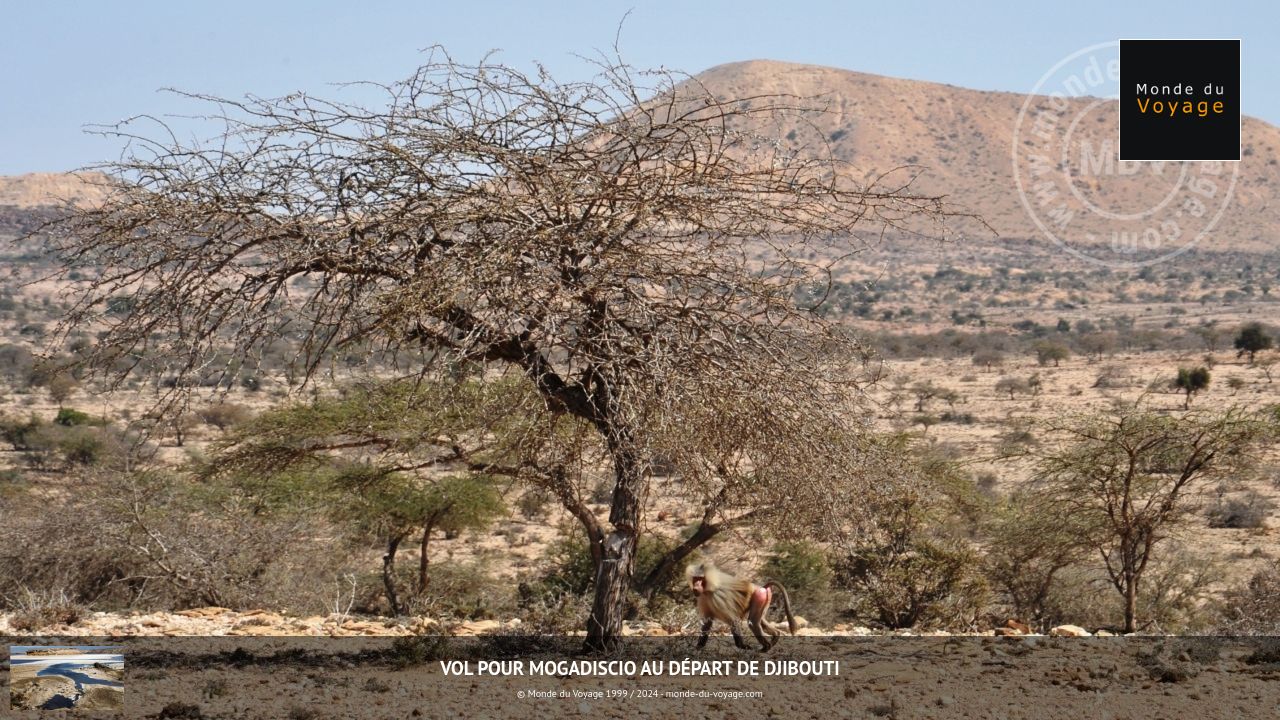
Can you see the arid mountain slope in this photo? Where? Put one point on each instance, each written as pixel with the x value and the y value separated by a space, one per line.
pixel 964 141
pixel 43 189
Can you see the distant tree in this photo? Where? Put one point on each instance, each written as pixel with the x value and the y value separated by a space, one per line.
pixel 925 420
pixel 1096 345
pixel 988 359
pixel 1064 325
pixel 181 424
pixel 61 387
pixel 1012 385
pixel 1251 340
pixel 1191 381
pixel 452 505
pixel 224 415
pixel 1129 473
pixel 1050 351
pixel 926 391
pixel 1210 336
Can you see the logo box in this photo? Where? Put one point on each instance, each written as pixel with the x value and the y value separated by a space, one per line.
pixel 1180 100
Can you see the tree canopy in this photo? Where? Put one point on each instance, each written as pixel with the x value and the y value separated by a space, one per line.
pixel 1251 340
pixel 1128 476
pixel 631 245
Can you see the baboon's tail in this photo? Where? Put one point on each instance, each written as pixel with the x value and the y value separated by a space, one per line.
pixel 786 604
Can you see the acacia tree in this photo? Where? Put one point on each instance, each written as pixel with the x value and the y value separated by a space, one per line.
pixel 1129 475
pixel 1191 381
pixel 391 506
pixel 1251 340
pixel 632 245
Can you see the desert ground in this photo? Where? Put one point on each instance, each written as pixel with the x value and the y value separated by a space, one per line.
pixel 1014 678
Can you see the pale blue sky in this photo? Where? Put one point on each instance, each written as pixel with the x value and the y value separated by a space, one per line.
pixel 67 64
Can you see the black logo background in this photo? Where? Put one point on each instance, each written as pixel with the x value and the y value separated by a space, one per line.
pixel 1181 137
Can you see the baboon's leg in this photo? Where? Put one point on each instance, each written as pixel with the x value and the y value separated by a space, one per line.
pixel 774 630
pixel 756 629
pixel 756 611
pixel 737 636
pixel 706 630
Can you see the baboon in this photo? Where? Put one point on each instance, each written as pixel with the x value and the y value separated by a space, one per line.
pixel 729 599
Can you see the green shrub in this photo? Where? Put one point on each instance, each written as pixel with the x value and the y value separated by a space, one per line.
pixel 466 591
pixel 912 561
pixel 802 568
pixel 84 446
pixel 649 552
pixel 19 433
pixel 70 417
pixel 929 582
pixel 1248 512
pixel 36 617
pixel 571 572
pixel 571 569
pixel 1255 608
pixel 412 651
pixel 534 502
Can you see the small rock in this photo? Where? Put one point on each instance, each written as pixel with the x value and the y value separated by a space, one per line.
pixel 479 627
pixel 1069 631
pixel 1018 625
pixel 210 611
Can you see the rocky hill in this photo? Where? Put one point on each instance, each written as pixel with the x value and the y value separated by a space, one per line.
pixel 963 139
pixel 35 190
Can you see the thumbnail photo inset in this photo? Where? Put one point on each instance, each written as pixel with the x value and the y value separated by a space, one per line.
pixel 48 677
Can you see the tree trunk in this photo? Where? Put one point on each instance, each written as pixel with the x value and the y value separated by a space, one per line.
pixel 613 575
pixel 1131 606
pixel 389 574
pixel 559 483
pixel 422 558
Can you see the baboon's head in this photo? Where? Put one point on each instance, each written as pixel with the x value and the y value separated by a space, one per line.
pixel 697 575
